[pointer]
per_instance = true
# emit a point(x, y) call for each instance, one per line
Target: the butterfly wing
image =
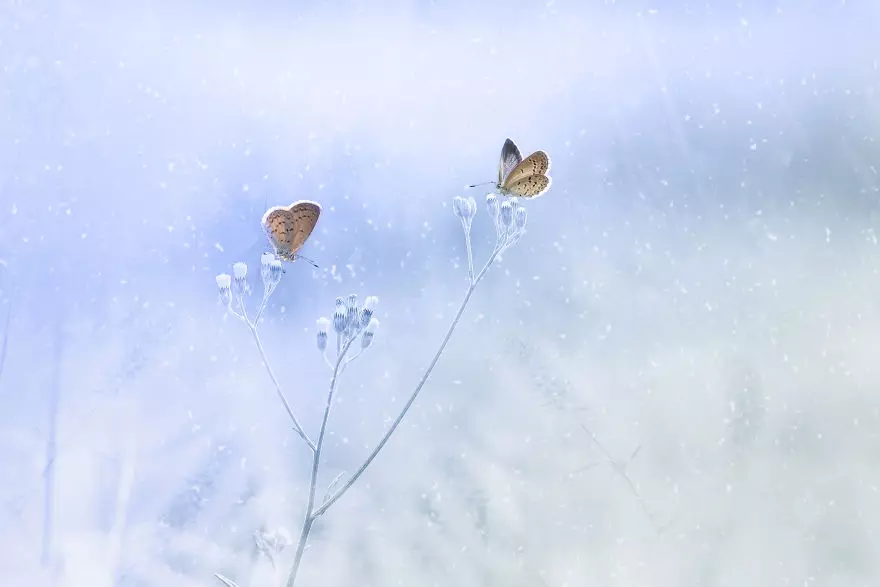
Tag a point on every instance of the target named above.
point(510, 158)
point(289, 228)
point(530, 187)
point(538, 163)
point(303, 217)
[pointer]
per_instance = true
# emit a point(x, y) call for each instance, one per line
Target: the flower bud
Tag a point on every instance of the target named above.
point(471, 208)
point(339, 319)
point(275, 271)
point(369, 333)
point(352, 310)
point(459, 207)
point(506, 214)
point(224, 284)
point(369, 306)
point(323, 325)
point(239, 272)
point(492, 205)
point(519, 217)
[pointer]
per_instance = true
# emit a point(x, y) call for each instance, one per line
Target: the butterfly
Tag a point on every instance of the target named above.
point(523, 178)
point(289, 228)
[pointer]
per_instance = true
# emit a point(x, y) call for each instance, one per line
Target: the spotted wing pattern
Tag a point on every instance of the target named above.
point(289, 228)
point(529, 187)
point(538, 163)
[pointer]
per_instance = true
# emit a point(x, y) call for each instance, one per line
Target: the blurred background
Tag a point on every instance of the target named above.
point(699, 286)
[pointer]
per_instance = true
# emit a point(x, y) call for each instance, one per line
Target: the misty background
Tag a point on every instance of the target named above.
point(700, 284)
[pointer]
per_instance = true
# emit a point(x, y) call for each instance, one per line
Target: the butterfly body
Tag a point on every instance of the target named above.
point(522, 178)
point(288, 228)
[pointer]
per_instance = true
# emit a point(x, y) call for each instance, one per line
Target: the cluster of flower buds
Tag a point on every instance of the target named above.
point(510, 218)
point(349, 321)
point(232, 287)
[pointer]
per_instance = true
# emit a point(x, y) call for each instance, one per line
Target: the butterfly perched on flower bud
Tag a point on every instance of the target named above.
point(522, 178)
point(288, 228)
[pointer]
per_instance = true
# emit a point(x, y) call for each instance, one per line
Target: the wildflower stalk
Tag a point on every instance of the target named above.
point(352, 322)
point(311, 515)
point(415, 394)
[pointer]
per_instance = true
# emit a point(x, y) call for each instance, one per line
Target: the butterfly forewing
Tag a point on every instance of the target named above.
point(538, 163)
point(529, 187)
point(510, 158)
point(289, 228)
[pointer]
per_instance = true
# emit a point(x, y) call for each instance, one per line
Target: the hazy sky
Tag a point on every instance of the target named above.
point(700, 282)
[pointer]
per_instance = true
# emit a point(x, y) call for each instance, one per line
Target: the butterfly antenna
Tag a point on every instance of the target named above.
point(309, 261)
point(476, 185)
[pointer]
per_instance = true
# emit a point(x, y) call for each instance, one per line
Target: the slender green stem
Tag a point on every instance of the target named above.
point(415, 394)
point(316, 464)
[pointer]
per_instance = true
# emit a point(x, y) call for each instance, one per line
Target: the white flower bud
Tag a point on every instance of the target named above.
point(369, 333)
point(506, 214)
point(323, 326)
point(270, 270)
point(459, 207)
point(239, 270)
point(519, 217)
point(275, 271)
point(352, 310)
point(370, 303)
point(492, 205)
point(367, 313)
point(224, 282)
point(471, 208)
point(340, 317)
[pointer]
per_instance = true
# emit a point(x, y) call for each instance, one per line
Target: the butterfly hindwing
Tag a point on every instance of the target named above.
point(529, 187)
point(538, 163)
point(510, 158)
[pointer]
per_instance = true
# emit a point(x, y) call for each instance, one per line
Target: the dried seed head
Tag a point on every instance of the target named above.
point(240, 271)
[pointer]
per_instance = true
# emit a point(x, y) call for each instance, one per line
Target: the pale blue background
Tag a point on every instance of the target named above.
point(701, 281)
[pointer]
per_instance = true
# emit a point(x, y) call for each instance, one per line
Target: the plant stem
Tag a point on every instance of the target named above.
point(296, 426)
point(316, 464)
point(351, 481)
